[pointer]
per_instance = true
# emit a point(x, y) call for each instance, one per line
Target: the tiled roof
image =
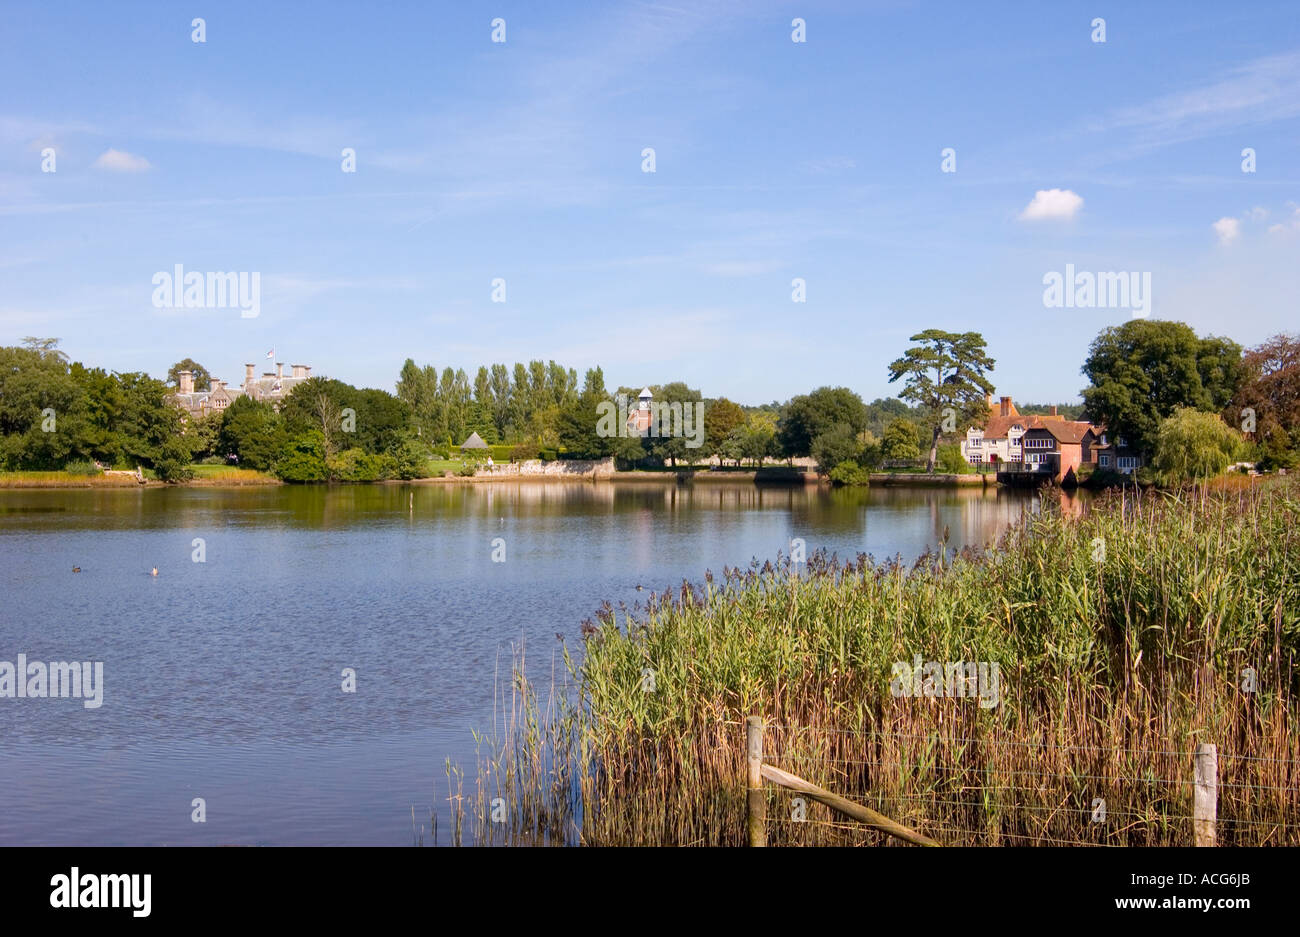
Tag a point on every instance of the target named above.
point(1067, 431)
point(997, 426)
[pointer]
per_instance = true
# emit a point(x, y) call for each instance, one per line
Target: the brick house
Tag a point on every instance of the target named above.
point(998, 440)
point(1116, 455)
point(1058, 447)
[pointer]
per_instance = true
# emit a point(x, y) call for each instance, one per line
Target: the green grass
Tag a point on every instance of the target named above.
point(435, 467)
point(227, 474)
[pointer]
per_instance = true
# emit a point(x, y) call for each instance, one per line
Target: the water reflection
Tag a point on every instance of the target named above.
point(226, 674)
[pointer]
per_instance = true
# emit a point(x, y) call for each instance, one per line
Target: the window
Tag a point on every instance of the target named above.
point(1104, 460)
point(976, 442)
point(1126, 463)
point(1015, 456)
point(1038, 442)
point(975, 458)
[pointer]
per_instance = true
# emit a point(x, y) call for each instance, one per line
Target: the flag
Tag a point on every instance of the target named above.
point(271, 353)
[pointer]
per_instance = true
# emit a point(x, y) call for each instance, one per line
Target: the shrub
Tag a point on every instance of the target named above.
point(951, 462)
point(302, 459)
point(82, 467)
point(550, 455)
point(838, 444)
point(409, 460)
point(172, 463)
point(356, 465)
point(902, 440)
point(523, 451)
point(849, 472)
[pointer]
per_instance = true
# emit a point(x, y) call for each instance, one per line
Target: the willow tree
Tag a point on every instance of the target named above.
point(945, 377)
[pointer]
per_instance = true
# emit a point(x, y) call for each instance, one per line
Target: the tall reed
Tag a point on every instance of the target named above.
point(1124, 638)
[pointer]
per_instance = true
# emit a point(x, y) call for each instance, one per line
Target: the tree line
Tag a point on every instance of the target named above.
point(1188, 404)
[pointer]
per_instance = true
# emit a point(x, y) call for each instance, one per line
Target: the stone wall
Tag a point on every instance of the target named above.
point(562, 468)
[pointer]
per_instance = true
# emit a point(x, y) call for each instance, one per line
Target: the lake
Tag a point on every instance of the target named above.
point(223, 678)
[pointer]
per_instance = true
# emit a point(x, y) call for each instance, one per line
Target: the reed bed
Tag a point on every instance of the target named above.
point(61, 479)
point(1124, 638)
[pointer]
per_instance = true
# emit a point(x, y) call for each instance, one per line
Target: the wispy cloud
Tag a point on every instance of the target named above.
point(1259, 92)
point(741, 268)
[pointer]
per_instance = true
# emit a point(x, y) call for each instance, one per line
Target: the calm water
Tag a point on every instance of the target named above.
point(222, 678)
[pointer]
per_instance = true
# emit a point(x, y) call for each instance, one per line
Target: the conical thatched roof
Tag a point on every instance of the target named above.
point(474, 442)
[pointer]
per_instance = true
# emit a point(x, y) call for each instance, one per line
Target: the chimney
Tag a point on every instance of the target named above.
point(215, 384)
point(248, 374)
point(186, 381)
point(299, 370)
point(279, 371)
point(306, 371)
point(1053, 409)
point(1006, 406)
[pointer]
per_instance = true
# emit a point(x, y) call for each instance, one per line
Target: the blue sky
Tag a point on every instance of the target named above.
point(522, 160)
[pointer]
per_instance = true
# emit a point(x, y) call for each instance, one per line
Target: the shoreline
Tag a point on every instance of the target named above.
point(778, 478)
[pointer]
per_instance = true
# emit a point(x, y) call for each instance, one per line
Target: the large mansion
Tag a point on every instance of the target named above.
point(1046, 443)
point(272, 386)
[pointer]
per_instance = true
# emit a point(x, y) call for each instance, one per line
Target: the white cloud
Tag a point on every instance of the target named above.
point(1228, 230)
point(121, 161)
point(1291, 224)
point(1052, 204)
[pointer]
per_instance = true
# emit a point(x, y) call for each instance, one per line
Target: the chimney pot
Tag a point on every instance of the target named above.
point(248, 374)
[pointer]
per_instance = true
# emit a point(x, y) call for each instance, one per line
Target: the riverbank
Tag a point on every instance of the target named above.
point(206, 476)
point(1107, 647)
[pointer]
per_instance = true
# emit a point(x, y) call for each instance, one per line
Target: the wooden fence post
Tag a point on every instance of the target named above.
point(756, 801)
point(1205, 803)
